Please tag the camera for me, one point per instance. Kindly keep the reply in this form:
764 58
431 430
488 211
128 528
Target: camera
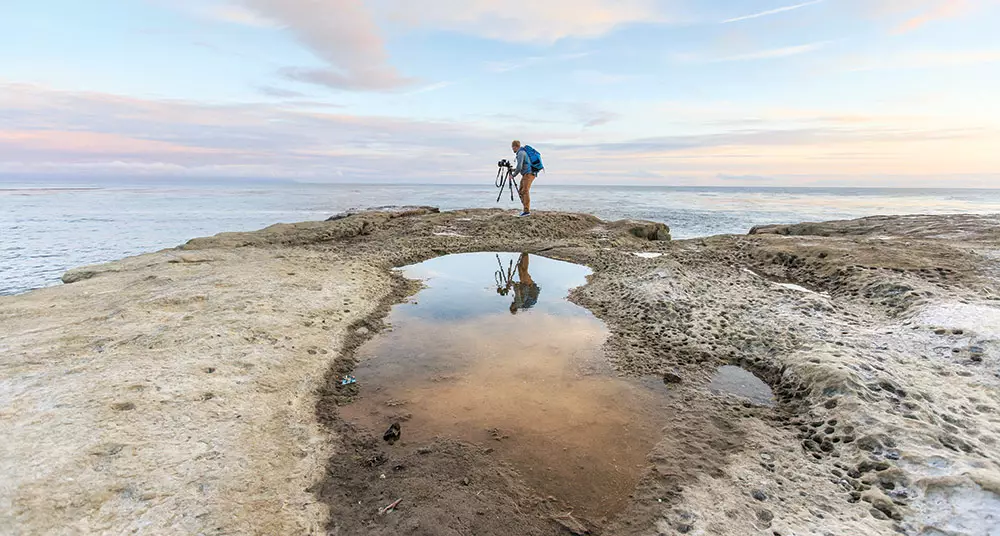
505 164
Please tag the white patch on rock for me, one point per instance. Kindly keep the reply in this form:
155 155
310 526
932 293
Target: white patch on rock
793 286
958 508
984 320
647 255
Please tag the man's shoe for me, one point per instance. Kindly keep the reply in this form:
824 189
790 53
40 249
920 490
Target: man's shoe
523 214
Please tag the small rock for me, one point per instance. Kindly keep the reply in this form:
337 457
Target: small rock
571 524
957 331
765 515
759 495
466 481
670 377
940 331
392 434
877 514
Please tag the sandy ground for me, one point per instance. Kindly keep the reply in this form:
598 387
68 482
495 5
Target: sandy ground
193 390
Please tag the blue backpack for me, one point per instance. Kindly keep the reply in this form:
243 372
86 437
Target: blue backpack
534 158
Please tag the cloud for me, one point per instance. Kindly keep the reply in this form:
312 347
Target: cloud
236 15
521 63
765 54
773 11
586 114
281 93
50 132
909 15
599 78
923 59
47 130
432 87
343 34
943 9
524 21
778 137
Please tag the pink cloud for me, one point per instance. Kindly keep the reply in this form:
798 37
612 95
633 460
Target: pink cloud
49 131
943 9
343 34
92 143
519 20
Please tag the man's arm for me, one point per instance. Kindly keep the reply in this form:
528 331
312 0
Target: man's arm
519 166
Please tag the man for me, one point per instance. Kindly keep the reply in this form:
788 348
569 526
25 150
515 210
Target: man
523 168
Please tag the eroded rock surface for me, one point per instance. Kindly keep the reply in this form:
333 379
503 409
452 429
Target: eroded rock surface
196 390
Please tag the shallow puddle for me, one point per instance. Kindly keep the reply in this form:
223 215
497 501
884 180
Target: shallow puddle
493 353
742 383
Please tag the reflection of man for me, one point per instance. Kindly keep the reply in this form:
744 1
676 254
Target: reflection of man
525 290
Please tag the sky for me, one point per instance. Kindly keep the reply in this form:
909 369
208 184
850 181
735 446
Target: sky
881 93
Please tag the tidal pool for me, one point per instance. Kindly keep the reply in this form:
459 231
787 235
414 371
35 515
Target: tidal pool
491 352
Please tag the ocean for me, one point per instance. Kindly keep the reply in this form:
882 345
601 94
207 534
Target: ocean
46 231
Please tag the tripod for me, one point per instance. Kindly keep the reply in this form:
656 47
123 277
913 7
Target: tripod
505 177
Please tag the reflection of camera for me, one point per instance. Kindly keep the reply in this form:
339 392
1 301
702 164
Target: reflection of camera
505 163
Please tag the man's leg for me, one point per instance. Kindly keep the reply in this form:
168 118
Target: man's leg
526 191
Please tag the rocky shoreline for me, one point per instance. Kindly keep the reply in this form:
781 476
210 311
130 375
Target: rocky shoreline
194 390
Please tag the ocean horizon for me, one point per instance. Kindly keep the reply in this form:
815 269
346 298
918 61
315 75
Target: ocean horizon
52 226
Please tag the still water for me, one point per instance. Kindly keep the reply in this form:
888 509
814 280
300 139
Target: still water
491 352
46 231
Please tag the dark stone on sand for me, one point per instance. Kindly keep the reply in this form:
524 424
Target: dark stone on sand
392 434
669 378
765 515
74 276
759 495
650 231
878 514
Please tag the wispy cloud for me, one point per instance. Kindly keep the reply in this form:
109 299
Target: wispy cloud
600 78
342 33
280 93
237 15
527 21
764 54
773 11
943 9
926 59
431 87
588 115
521 63
51 132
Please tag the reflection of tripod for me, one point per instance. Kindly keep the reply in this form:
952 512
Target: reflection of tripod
505 177
504 280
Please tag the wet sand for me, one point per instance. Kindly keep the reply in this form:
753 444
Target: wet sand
196 390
